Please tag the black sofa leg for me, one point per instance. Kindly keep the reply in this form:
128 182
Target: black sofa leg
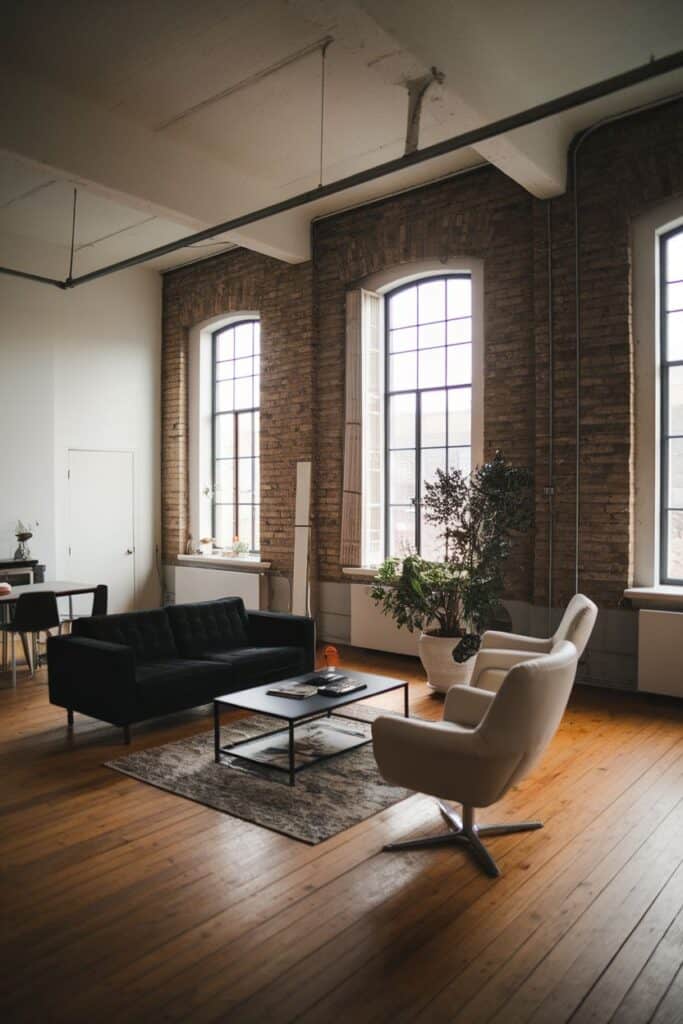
69 718
126 734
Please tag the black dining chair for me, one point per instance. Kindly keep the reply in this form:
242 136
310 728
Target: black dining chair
100 599
33 614
100 603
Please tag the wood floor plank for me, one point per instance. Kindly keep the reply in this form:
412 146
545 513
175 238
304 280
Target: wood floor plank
125 903
634 952
669 1009
460 912
220 954
652 983
598 854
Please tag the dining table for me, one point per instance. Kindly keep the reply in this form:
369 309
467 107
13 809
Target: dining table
60 588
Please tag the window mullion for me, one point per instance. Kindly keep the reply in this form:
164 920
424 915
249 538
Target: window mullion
418 469
666 506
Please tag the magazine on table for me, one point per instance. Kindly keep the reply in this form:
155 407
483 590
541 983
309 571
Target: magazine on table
329 684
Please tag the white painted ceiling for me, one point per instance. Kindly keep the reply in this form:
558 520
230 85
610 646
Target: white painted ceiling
89 88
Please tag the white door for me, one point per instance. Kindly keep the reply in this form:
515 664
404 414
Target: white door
100 527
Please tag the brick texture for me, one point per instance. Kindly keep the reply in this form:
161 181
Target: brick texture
242 281
622 169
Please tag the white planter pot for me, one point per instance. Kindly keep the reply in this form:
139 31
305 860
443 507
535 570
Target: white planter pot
436 655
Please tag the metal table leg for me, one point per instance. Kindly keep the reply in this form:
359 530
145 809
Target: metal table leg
216 733
292 773
406 708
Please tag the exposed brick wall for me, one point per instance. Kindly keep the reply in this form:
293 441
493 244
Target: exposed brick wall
623 169
481 215
240 281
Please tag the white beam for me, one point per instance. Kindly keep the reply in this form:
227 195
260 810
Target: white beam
443 35
134 166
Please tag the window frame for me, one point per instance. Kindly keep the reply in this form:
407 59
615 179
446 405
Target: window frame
255 503
664 435
417 501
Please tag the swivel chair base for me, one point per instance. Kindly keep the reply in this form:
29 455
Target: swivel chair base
464 832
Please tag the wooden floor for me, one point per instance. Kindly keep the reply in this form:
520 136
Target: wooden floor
124 903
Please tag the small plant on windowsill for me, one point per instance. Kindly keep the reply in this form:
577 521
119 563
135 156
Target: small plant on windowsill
239 547
476 516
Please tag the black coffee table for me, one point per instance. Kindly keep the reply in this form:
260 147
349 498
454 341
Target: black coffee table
297 712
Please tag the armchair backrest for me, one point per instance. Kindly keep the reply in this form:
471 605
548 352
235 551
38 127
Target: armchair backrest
528 708
577 623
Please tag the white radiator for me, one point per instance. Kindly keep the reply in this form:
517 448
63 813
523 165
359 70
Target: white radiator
660 652
370 628
194 583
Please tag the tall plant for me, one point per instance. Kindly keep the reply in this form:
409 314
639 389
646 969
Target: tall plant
476 515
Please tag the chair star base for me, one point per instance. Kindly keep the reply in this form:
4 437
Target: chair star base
464 832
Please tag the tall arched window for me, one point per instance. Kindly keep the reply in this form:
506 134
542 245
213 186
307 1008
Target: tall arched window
671 383
428 401
236 359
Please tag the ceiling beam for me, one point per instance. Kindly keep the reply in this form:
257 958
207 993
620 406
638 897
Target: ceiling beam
550 108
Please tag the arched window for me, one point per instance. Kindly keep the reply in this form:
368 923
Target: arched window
236 358
414 397
428 401
671 390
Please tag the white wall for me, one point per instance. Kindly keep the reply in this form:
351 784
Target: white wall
79 369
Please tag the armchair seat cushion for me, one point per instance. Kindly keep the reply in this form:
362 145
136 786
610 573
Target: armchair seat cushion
252 666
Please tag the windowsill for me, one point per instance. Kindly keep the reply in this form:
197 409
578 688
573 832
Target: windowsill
248 563
364 571
661 596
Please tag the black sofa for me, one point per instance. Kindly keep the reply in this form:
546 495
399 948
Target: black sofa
127 668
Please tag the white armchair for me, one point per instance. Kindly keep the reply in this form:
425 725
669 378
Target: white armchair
499 652
485 743
576 626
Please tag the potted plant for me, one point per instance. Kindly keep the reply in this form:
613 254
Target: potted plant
453 601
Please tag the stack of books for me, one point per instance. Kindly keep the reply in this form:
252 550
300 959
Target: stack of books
329 684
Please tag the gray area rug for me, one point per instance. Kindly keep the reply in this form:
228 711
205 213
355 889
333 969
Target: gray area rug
328 797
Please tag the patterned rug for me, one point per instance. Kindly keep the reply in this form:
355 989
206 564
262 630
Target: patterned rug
328 797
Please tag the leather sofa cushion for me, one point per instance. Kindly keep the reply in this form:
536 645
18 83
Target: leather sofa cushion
148 633
253 666
165 686
208 626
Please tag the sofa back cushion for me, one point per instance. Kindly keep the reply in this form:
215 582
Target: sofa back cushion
208 626
148 633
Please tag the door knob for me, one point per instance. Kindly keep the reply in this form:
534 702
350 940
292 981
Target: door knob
130 551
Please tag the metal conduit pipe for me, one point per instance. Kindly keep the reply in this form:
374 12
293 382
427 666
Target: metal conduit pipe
577 98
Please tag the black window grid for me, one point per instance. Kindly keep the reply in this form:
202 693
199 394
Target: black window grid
252 411
666 435
416 504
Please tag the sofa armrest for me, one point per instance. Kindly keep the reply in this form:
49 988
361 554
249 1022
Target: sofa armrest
283 630
94 677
